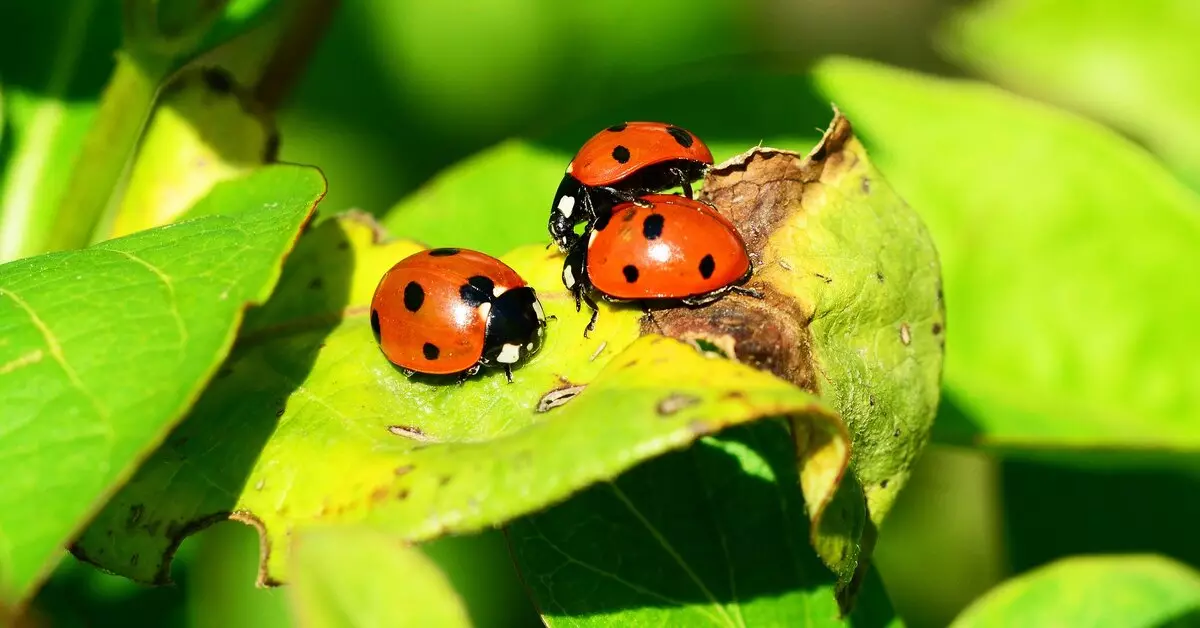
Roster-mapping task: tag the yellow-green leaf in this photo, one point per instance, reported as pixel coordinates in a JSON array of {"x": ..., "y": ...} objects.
[
  {"x": 309, "y": 425},
  {"x": 205, "y": 130}
]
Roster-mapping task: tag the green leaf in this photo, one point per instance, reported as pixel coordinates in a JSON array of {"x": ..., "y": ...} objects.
[
  {"x": 1125, "y": 591},
  {"x": 205, "y": 130},
  {"x": 505, "y": 209},
  {"x": 308, "y": 424},
  {"x": 1120, "y": 62},
  {"x": 358, "y": 576},
  {"x": 1066, "y": 252},
  {"x": 105, "y": 348},
  {"x": 50, "y": 56},
  {"x": 712, "y": 535}
]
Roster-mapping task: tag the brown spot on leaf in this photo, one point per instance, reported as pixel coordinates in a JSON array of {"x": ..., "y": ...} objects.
[
  {"x": 558, "y": 397},
  {"x": 866, "y": 185},
  {"x": 674, "y": 403},
  {"x": 734, "y": 395},
  {"x": 403, "y": 494},
  {"x": 343, "y": 245},
  {"x": 896, "y": 434},
  {"x": 883, "y": 484},
  {"x": 879, "y": 275},
  {"x": 823, "y": 278},
  {"x": 936, "y": 329},
  {"x": 409, "y": 431},
  {"x": 700, "y": 427},
  {"x": 379, "y": 494},
  {"x": 444, "y": 480},
  {"x": 770, "y": 333},
  {"x": 905, "y": 334},
  {"x": 404, "y": 469}
]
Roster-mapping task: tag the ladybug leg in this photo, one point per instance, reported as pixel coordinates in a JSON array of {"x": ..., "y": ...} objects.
[
  {"x": 508, "y": 372},
  {"x": 467, "y": 374},
  {"x": 683, "y": 181},
  {"x": 595, "y": 314}
]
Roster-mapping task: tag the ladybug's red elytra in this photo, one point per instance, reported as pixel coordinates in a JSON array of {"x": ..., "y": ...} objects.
[
  {"x": 451, "y": 311},
  {"x": 619, "y": 164},
  {"x": 674, "y": 249}
]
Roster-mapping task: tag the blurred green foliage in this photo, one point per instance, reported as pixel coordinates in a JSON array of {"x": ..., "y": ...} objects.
[{"x": 398, "y": 91}]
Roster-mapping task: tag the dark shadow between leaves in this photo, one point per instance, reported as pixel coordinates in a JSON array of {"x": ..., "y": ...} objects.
[
  {"x": 719, "y": 527},
  {"x": 1054, "y": 510},
  {"x": 1187, "y": 619},
  {"x": 231, "y": 422}
]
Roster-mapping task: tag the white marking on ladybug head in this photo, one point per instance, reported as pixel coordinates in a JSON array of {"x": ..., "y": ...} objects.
[
  {"x": 498, "y": 290},
  {"x": 571, "y": 167},
  {"x": 568, "y": 277},
  {"x": 484, "y": 310},
  {"x": 509, "y": 354},
  {"x": 566, "y": 206},
  {"x": 592, "y": 237},
  {"x": 537, "y": 310}
]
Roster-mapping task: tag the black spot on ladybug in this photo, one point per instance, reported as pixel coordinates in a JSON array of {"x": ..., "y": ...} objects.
[
  {"x": 477, "y": 290},
  {"x": 707, "y": 266},
  {"x": 414, "y": 296},
  {"x": 621, "y": 154},
  {"x": 683, "y": 137},
  {"x": 430, "y": 351},
  {"x": 631, "y": 273},
  {"x": 617, "y": 128},
  {"x": 652, "y": 226},
  {"x": 218, "y": 80},
  {"x": 444, "y": 252},
  {"x": 483, "y": 283},
  {"x": 375, "y": 324}
]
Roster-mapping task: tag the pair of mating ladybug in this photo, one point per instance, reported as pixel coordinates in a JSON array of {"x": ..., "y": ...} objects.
[{"x": 451, "y": 311}]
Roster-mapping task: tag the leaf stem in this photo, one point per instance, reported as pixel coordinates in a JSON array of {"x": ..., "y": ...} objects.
[{"x": 107, "y": 149}]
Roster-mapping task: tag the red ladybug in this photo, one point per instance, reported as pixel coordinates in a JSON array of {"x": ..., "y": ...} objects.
[
  {"x": 619, "y": 164},
  {"x": 451, "y": 311},
  {"x": 675, "y": 249}
]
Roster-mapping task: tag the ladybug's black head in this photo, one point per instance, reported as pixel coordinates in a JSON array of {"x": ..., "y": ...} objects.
[
  {"x": 571, "y": 207},
  {"x": 515, "y": 327}
]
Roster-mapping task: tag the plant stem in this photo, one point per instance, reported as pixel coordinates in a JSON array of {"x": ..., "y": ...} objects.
[{"x": 107, "y": 148}]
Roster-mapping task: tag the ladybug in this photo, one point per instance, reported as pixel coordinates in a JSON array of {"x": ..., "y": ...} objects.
[
  {"x": 619, "y": 164},
  {"x": 671, "y": 248},
  {"x": 451, "y": 311}
]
